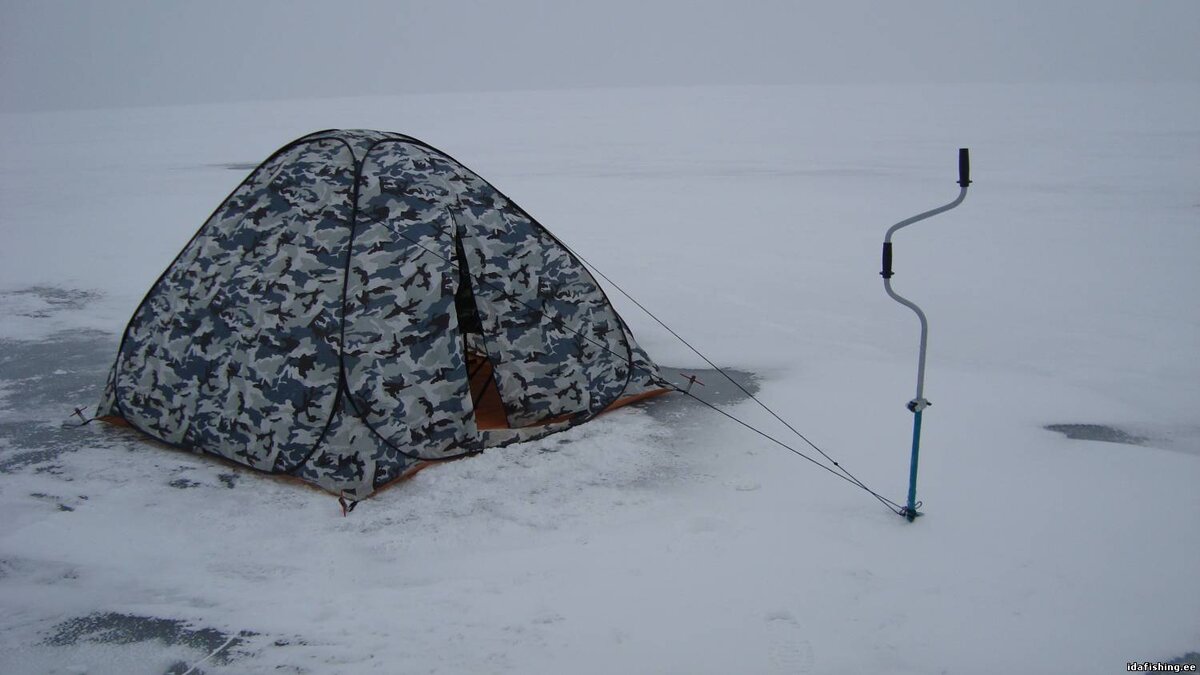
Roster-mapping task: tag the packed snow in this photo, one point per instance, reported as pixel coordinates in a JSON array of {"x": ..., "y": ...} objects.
[{"x": 660, "y": 538}]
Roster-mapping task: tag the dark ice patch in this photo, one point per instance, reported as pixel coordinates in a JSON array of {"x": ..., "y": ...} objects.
[
  {"x": 31, "y": 434},
  {"x": 123, "y": 629},
  {"x": 14, "y": 459},
  {"x": 34, "y": 443},
  {"x": 43, "y": 381},
  {"x": 77, "y": 353},
  {"x": 1097, "y": 432},
  {"x": 710, "y": 387},
  {"x": 40, "y": 302},
  {"x": 60, "y": 371}
]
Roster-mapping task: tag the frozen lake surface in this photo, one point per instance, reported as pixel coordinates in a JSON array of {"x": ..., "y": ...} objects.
[{"x": 1059, "y": 463}]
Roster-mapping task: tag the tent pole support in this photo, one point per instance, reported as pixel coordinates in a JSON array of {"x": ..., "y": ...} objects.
[{"x": 919, "y": 403}]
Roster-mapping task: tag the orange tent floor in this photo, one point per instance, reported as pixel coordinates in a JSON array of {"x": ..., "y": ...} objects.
[{"x": 489, "y": 409}]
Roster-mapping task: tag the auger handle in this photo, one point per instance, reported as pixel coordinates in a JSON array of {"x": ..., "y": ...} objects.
[{"x": 964, "y": 167}]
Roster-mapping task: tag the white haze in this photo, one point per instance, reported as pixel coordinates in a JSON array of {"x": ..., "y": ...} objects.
[{"x": 59, "y": 54}]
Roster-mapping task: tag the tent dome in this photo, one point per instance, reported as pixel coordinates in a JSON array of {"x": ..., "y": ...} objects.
[{"x": 361, "y": 304}]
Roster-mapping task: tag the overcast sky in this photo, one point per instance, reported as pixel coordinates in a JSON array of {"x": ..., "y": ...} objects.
[{"x": 79, "y": 54}]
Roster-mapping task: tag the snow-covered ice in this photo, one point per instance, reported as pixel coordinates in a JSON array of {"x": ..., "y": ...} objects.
[{"x": 1063, "y": 291}]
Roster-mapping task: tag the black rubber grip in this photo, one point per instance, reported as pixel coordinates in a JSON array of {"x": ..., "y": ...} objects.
[
  {"x": 887, "y": 260},
  {"x": 964, "y": 167}
]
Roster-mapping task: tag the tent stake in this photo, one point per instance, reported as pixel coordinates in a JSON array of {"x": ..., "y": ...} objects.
[{"x": 919, "y": 403}]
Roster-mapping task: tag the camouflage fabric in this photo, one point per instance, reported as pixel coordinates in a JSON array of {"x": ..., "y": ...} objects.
[
  {"x": 315, "y": 324},
  {"x": 235, "y": 348},
  {"x": 405, "y": 370},
  {"x": 557, "y": 346}
]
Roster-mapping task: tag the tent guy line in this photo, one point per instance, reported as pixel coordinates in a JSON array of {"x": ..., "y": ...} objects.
[{"x": 847, "y": 475}]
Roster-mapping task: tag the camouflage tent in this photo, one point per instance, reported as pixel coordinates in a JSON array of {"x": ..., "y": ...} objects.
[{"x": 360, "y": 305}]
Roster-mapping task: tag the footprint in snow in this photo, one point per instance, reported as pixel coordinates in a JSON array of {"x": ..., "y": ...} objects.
[{"x": 787, "y": 649}]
